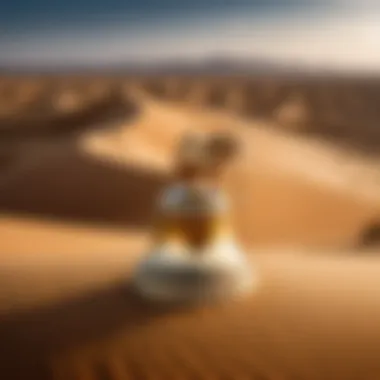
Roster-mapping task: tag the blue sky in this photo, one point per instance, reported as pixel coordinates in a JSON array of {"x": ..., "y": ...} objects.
[{"x": 339, "y": 33}]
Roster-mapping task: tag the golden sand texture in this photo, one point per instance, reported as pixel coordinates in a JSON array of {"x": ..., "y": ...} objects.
[
  {"x": 75, "y": 218},
  {"x": 311, "y": 318}
]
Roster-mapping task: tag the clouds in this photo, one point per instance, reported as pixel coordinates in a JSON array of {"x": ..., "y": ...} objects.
[{"x": 339, "y": 33}]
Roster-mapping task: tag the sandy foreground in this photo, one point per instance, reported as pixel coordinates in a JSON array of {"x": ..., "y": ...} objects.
[{"x": 75, "y": 221}]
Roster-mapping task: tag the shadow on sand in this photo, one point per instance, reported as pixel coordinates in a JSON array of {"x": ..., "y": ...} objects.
[
  {"x": 40, "y": 121},
  {"x": 73, "y": 185},
  {"x": 69, "y": 184},
  {"x": 30, "y": 339}
]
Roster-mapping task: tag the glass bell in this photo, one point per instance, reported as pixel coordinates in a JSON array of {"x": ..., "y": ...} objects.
[{"x": 195, "y": 256}]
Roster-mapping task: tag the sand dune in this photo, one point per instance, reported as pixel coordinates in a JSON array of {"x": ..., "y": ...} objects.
[
  {"x": 311, "y": 318},
  {"x": 75, "y": 218},
  {"x": 67, "y": 183},
  {"x": 63, "y": 112},
  {"x": 280, "y": 185}
]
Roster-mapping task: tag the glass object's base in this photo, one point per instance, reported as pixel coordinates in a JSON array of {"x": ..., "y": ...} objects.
[{"x": 187, "y": 277}]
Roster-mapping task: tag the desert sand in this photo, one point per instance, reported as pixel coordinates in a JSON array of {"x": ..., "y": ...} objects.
[{"x": 75, "y": 219}]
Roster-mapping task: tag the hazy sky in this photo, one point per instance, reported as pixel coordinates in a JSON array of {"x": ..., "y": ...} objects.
[{"x": 335, "y": 33}]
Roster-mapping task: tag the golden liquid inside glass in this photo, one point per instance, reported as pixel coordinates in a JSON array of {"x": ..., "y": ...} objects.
[{"x": 195, "y": 230}]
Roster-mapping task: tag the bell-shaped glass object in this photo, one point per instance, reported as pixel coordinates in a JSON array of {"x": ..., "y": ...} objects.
[{"x": 195, "y": 256}]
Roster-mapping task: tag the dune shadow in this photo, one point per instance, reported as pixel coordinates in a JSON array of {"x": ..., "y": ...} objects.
[
  {"x": 73, "y": 185},
  {"x": 7, "y": 158},
  {"x": 40, "y": 121},
  {"x": 370, "y": 235},
  {"x": 30, "y": 339},
  {"x": 364, "y": 137}
]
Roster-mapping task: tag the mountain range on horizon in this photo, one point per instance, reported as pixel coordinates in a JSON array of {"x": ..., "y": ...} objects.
[{"x": 214, "y": 65}]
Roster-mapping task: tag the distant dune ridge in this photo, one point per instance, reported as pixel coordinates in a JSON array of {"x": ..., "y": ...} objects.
[
  {"x": 57, "y": 110},
  {"x": 82, "y": 161}
]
